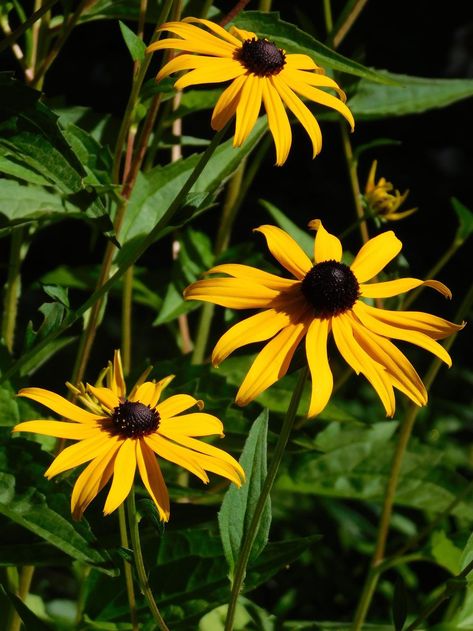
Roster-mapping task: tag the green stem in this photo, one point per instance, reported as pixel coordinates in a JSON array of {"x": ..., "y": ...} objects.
[
  {"x": 24, "y": 583},
  {"x": 404, "y": 435},
  {"x": 127, "y": 301},
  {"x": 339, "y": 35},
  {"x": 12, "y": 291},
  {"x": 265, "y": 5},
  {"x": 8, "y": 41},
  {"x": 130, "y": 590},
  {"x": 236, "y": 193},
  {"x": 245, "y": 551},
  {"x": 355, "y": 184},
  {"x": 129, "y": 258},
  {"x": 139, "y": 563}
]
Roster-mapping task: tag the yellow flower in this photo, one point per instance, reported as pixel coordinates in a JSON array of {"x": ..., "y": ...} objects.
[
  {"x": 325, "y": 297},
  {"x": 381, "y": 201},
  {"x": 259, "y": 72},
  {"x": 120, "y": 433}
]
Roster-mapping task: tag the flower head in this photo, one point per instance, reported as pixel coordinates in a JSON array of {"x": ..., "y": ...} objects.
[
  {"x": 120, "y": 433},
  {"x": 324, "y": 296},
  {"x": 380, "y": 199},
  {"x": 259, "y": 72}
]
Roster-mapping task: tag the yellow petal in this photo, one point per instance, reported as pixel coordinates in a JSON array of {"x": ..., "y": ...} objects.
[
  {"x": 57, "y": 428},
  {"x": 176, "y": 404},
  {"x": 317, "y": 95},
  {"x": 200, "y": 40},
  {"x": 278, "y": 122},
  {"x": 231, "y": 292},
  {"x": 314, "y": 79},
  {"x": 152, "y": 478},
  {"x": 392, "y": 324},
  {"x": 91, "y": 481},
  {"x": 117, "y": 379},
  {"x": 81, "y": 452},
  {"x": 150, "y": 392},
  {"x": 301, "y": 62},
  {"x": 248, "y": 108},
  {"x": 198, "y": 447},
  {"x": 326, "y": 246},
  {"x": 227, "y": 103},
  {"x": 221, "y": 32},
  {"x": 317, "y": 359},
  {"x": 399, "y": 286},
  {"x": 301, "y": 112},
  {"x": 123, "y": 476},
  {"x": 214, "y": 71},
  {"x": 257, "y": 328},
  {"x": 174, "y": 453},
  {"x": 375, "y": 255},
  {"x": 105, "y": 396},
  {"x": 253, "y": 274},
  {"x": 271, "y": 363},
  {"x": 189, "y": 46},
  {"x": 242, "y": 34},
  {"x": 195, "y": 424},
  {"x": 286, "y": 251},
  {"x": 360, "y": 361},
  {"x": 403, "y": 374},
  {"x": 59, "y": 405}
]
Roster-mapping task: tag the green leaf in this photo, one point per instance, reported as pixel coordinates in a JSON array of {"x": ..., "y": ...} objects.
[
  {"x": 294, "y": 40},
  {"x": 303, "y": 238},
  {"x": 354, "y": 462},
  {"x": 155, "y": 190},
  {"x": 29, "y": 500},
  {"x": 30, "y": 620},
  {"x": 135, "y": 44},
  {"x": 9, "y": 412},
  {"x": 238, "y": 506},
  {"x": 57, "y": 293},
  {"x": 445, "y": 552},
  {"x": 409, "y": 95},
  {"x": 465, "y": 220},
  {"x": 30, "y": 136},
  {"x": 399, "y": 604}
]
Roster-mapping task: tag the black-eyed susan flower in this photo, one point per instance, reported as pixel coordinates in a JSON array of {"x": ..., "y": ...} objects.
[
  {"x": 118, "y": 434},
  {"x": 259, "y": 72},
  {"x": 326, "y": 296},
  {"x": 382, "y": 200}
]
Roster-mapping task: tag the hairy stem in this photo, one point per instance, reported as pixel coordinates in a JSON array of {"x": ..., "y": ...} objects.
[{"x": 130, "y": 590}]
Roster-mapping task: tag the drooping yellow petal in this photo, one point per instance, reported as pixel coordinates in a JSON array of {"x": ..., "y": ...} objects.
[
  {"x": 174, "y": 453},
  {"x": 58, "y": 429},
  {"x": 403, "y": 373},
  {"x": 105, "y": 396},
  {"x": 226, "y": 105},
  {"x": 327, "y": 247},
  {"x": 91, "y": 481},
  {"x": 195, "y": 39},
  {"x": 248, "y": 108},
  {"x": 242, "y": 34},
  {"x": 375, "y": 255},
  {"x": 257, "y": 328},
  {"x": 59, "y": 405},
  {"x": 301, "y": 112},
  {"x": 81, "y": 452},
  {"x": 152, "y": 478},
  {"x": 198, "y": 447},
  {"x": 317, "y": 359},
  {"x": 253, "y": 274},
  {"x": 231, "y": 292},
  {"x": 271, "y": 363},
  {"x": 278, "y": 122},
  {"x": 176, "y": 404},
  {"x": 194, "y": 424},
  {"x": 190, "y": 46},
  {"x": 360, "y": 361},
  {"x": 314, "y": 79},
  {"x": 123, "y": 476},
  {"x": 214, "y": 71},
  {"x": 391, "y": 288},
  {"x": 392, "y": 324},
  {"x": 315, "y": 94},
  {"x": 286, "y": 251}
]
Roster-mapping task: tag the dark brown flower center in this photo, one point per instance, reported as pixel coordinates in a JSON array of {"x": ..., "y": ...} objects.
[
  {"x": 133, "y": 419},
  {"x": 331, "y": 288},
  {"x": 261, "y": 57}
]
